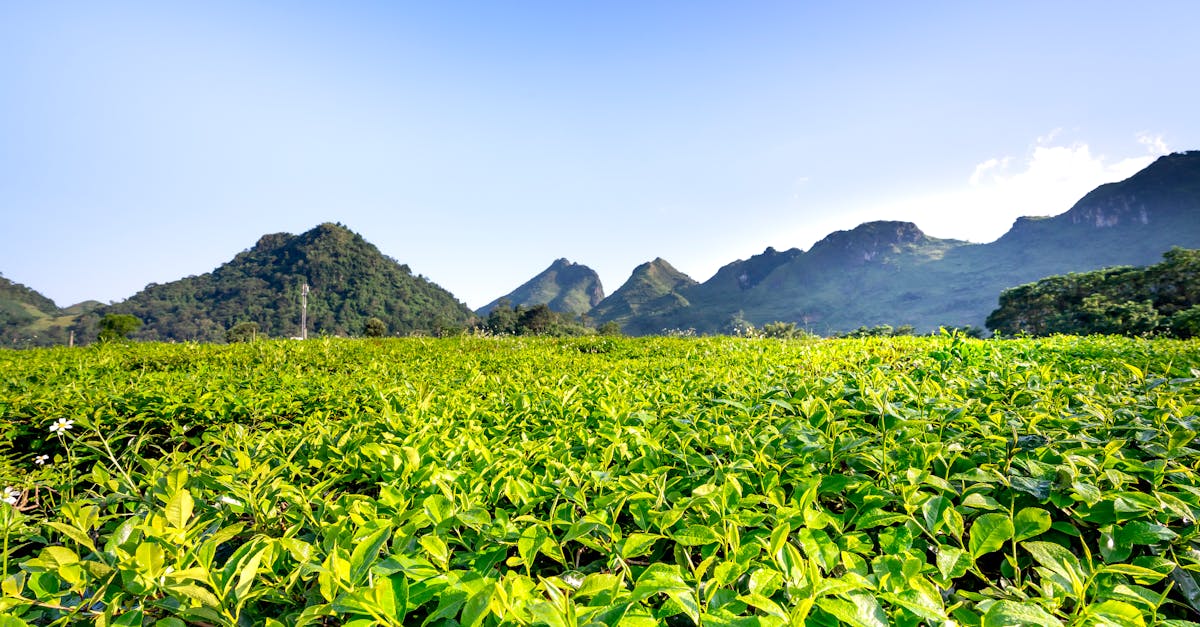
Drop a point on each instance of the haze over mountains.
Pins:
(877, 273)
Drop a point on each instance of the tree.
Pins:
(375, 328)
(612, 327)
(502, 319)
(1186, 323)
(242, 332)
(537, 320)
(783, 330)
(116, 327)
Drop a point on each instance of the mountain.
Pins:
(350, 281)
(27, 318)
(892, 273)
(565, 287)
(653, 290)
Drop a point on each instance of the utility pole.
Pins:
(304, 311)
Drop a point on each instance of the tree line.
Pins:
(1162, 299)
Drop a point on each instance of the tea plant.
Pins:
(713, 481)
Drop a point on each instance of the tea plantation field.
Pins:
(595, 481)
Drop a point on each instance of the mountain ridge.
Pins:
(565, 287)
(881, 272)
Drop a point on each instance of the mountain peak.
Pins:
(350, 281)
(654, 288)
(1168, 189)
(869, 241)
(565, 287)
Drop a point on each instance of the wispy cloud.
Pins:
(1153, 143)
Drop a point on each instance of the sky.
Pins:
(477, 142)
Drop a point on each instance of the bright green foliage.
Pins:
(603, 481)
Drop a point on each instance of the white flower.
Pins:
(61, 426)
(40, 460)
(11, 495)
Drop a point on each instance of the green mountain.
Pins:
(350, 281)
(565, 287)
(892, 273)
(27, 318)
(651, 295)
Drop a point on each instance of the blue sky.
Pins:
(477, 142)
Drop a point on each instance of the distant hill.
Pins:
(27, 318)
(892, 273)
(654, 289)
(565, 287)
(350, 282)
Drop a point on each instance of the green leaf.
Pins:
(598, 583)
(179, 509)
(1140, 574)
(1016, 614)
(659, 578)
(477, 606)
(150, 558)
(819, 547)
(247, 573)
(1112, 612)
(989, 532)
(195, 593)
(765, 581)
(1059, 560)
(1141, 532)
(438, 508)
(391, 592)
(78, 535)
(366, 552)
(765, 604)
(696, 535)
(952, 562)
(976, 500)
(437, 549)
(638, 544)
(859, 609)
(1030, 522)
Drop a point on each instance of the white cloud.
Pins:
(983, 206)
(1153, 143)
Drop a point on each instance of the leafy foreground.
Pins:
(598, 481)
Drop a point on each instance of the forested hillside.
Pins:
(350, 280)
(1163, 298)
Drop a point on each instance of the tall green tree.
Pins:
(117, 327)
